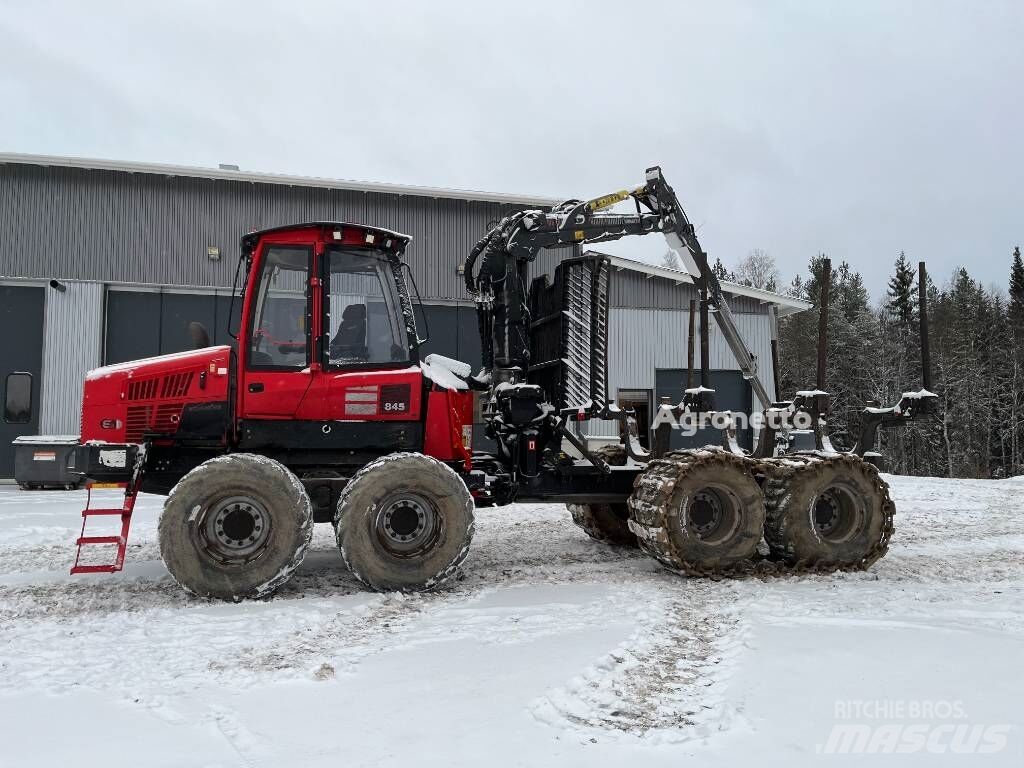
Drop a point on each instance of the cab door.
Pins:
(367, 370)
(276, 354)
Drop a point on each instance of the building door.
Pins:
(638, 400)
(149, 323)
(732, 393)
(21, 363)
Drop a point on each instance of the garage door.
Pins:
(454, 333)
(732, 393)
(148, 323)
(21, 362)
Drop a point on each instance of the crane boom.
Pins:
(499, 288)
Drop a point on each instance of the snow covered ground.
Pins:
(551, 649)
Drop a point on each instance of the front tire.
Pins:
(235, 527)
(404, 523)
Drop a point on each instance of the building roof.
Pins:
(787, 305)
(232, 174)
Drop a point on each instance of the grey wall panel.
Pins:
(121, 227)
(641, 341)
(73, 343)
(641, 291)
(635, 289)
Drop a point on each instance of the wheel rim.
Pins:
(712, 515)
(236, 530)
(836, 514)
(407, 525)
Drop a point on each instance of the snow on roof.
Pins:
(231, 173)
(787, 305)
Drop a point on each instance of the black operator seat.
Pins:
(350, 340)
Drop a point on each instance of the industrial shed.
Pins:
(106, 261)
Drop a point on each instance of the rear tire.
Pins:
(404, 523)
(830, 512)
(235, 527)
(608, 523)
(698, 512)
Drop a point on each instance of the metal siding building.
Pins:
(648, 335)
(131, 244)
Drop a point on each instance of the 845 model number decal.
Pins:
(395, 398)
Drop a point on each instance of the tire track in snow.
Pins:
(666, 684)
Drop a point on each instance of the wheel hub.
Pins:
(836, 514)
(826, 514)
(705, 512)
(236, 530)
(407, 525)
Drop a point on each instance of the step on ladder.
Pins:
(121, 540)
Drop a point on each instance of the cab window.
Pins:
(364, 320)
(278, 337)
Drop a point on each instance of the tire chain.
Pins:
(653, 489)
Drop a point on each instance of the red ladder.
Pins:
(121, 540)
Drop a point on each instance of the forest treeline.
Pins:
(976, 339)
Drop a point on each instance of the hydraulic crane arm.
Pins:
(499, 288)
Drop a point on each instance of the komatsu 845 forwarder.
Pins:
(326, 413)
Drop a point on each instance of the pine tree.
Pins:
(720, 271)
(1015, 331)
(1015, 310)
(903, 291)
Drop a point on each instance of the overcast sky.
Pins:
(857, 129)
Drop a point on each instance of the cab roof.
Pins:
(380, 235)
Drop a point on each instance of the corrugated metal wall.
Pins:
(638, 289)
(641, 341)
(73, 342)
(143, 228)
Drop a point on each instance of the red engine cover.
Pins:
(122, 402)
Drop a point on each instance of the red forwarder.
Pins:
(325, 382)
(326, 413)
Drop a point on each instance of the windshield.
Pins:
(363, 314)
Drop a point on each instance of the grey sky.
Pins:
(857, 129)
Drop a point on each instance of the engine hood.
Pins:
(122, 403)
(195, 358)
